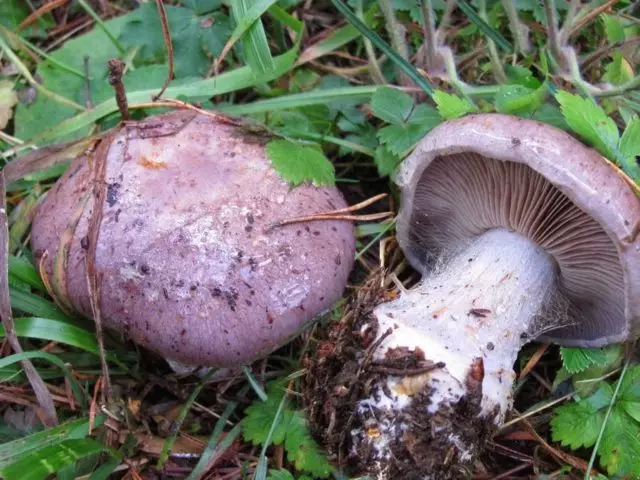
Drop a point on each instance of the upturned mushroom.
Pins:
(170, 213)
(520, 232)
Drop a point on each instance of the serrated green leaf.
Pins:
(618, 71)
(578, 424)
(391, 105)
(259, 417)
(620, 447)
(302, 450)
(576, 360)
(518, 75)
(399, 138)
(590, 122)
(613, 28)
(280, 475)
(451, 106)
(385, 161)
(629, 395)
(424, 115)
(292, 431)
(517, 99)
(630, 147)
(297, 163)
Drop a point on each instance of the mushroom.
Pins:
(520, 232)
(186, 263)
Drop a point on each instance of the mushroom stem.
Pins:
(474, 313)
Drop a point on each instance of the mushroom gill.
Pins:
(461, 196)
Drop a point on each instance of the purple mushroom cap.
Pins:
(187, 266)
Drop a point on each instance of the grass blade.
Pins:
(254, 38)
(41, 463)
(227, 82)
(243, 24)
(10, 451)
(403, 64)
(594, 452)
(36, 306)
(215, 446)
(54, 331)
(37, 354)
(296, 100)
(254, 384)
(22, 269)
(484, 27)
(177, 424)
(24, 71)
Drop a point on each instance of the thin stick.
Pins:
(588, 17)
(39, 388)
(539, 409)
(99, 160)
(116, 70)
(44, 9)
(313, 218)
(169, 102)
(338, 214)
(166, 34)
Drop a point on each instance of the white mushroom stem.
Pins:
(484, 303)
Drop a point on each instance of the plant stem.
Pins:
(397, 34)
(374, 68)
(518, 29)
(496, 62)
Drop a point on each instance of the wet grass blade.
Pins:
(403, 64)
(484, 27)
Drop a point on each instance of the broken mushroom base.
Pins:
(414, 388)
(344, 370)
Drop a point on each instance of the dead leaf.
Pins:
(8, 99)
